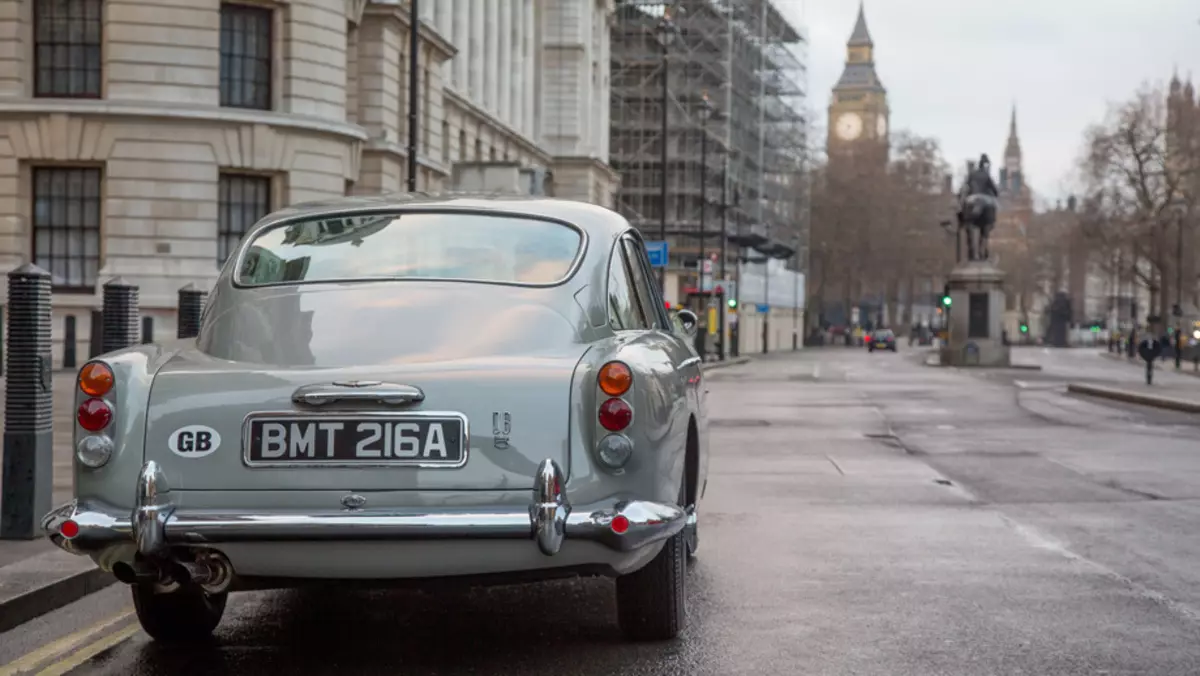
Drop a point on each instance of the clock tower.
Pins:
(858, 111)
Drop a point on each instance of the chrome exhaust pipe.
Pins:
(211, 571)
(136, 574)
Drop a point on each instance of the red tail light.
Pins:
(94, 415)
(615, 415)
(69, 529)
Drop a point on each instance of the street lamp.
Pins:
(1178, 309)
(664, 32)
(706, 110)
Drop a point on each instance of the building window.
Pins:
(66, 37)
(246, 56)
(66, 225)
(242, 201)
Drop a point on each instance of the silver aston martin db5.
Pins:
(402, 387)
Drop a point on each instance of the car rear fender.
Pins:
(133, 373)
(658, 430)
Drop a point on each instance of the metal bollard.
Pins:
(147, 330)
(191, 304)
(96, 335)
(28, 481)
(68, 360)
(120, 315)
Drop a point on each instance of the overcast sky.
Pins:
(1062, 61)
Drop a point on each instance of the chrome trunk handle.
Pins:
(358, 390)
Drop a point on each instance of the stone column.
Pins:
(462, 40)
(491, 99)
(517, 105)
(478, 55)
(532, 62)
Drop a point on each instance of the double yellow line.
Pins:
(71, 651)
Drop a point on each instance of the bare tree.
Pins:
(1141, 170)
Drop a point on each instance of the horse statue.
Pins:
(977, 206)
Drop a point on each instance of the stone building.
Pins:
(141, 138)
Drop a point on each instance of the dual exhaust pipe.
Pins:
(210, 570)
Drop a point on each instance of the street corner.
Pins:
(40, 584)
(1170, 400)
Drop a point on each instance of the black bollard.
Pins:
(68, 360)
(28, 481)
(147, 330)
(96, 335)
(120, 315)
(191, 304)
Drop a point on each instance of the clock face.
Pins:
(881, 126)
(849, 126)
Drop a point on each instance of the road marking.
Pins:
(945, 427)
(76, 660)
(63, 645)
(816, 372)
(1021, 384)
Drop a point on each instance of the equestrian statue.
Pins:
(978, 203)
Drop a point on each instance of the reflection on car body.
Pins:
(395, 388)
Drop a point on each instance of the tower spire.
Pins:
(1013, 148)
(861, 36)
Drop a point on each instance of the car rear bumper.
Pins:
(155, 523)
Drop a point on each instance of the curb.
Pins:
(708, 366)
(1154, 400)
(44, 583)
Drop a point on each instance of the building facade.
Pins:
(141, 139)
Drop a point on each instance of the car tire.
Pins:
(187, 615)
(651, 601)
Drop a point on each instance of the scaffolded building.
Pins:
(748, 61)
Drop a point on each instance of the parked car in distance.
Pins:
(402, 388)
(881, 339)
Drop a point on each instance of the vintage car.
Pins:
(398, 388)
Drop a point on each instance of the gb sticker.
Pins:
(194, 441)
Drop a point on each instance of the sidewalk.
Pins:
(1170, 397)
(35, 576)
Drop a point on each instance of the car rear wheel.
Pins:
(651, 602)
(187, 615)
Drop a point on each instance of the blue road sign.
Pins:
(762, 308)
(657, 252)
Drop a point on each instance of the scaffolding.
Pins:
(750, 63)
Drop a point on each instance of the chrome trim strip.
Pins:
(294, 416)
(549, 520)
(383, 393)
(688, 362)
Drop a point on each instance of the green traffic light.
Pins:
(1024, 328)
(732, 303)
(946, 300)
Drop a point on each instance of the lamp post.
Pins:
(414, 72)
(664, 32)
(706, 110)
(722, 311)
(1178, 309)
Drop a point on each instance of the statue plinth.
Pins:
(976, 322)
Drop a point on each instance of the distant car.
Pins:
(393, 388)
(882, 339)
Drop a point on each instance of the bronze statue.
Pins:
(977, 208)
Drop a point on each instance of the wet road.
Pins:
(865, 514)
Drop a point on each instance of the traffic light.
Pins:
(946, 295)
(732, 303)
(1024, 327)
(946, 301)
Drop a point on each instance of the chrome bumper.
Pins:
(156, 524)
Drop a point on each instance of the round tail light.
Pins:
(69, 529)
(620, 524)
(95, 379)
(615, 415)
(94, 415)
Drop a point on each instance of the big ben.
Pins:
(858, 111)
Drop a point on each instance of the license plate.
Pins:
(406, 440)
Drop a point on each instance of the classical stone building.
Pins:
(141, 138)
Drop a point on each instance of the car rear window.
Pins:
(427, 245)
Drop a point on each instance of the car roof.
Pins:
(597, 221)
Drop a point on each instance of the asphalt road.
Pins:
(866, 514)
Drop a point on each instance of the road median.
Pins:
(1130, 396)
